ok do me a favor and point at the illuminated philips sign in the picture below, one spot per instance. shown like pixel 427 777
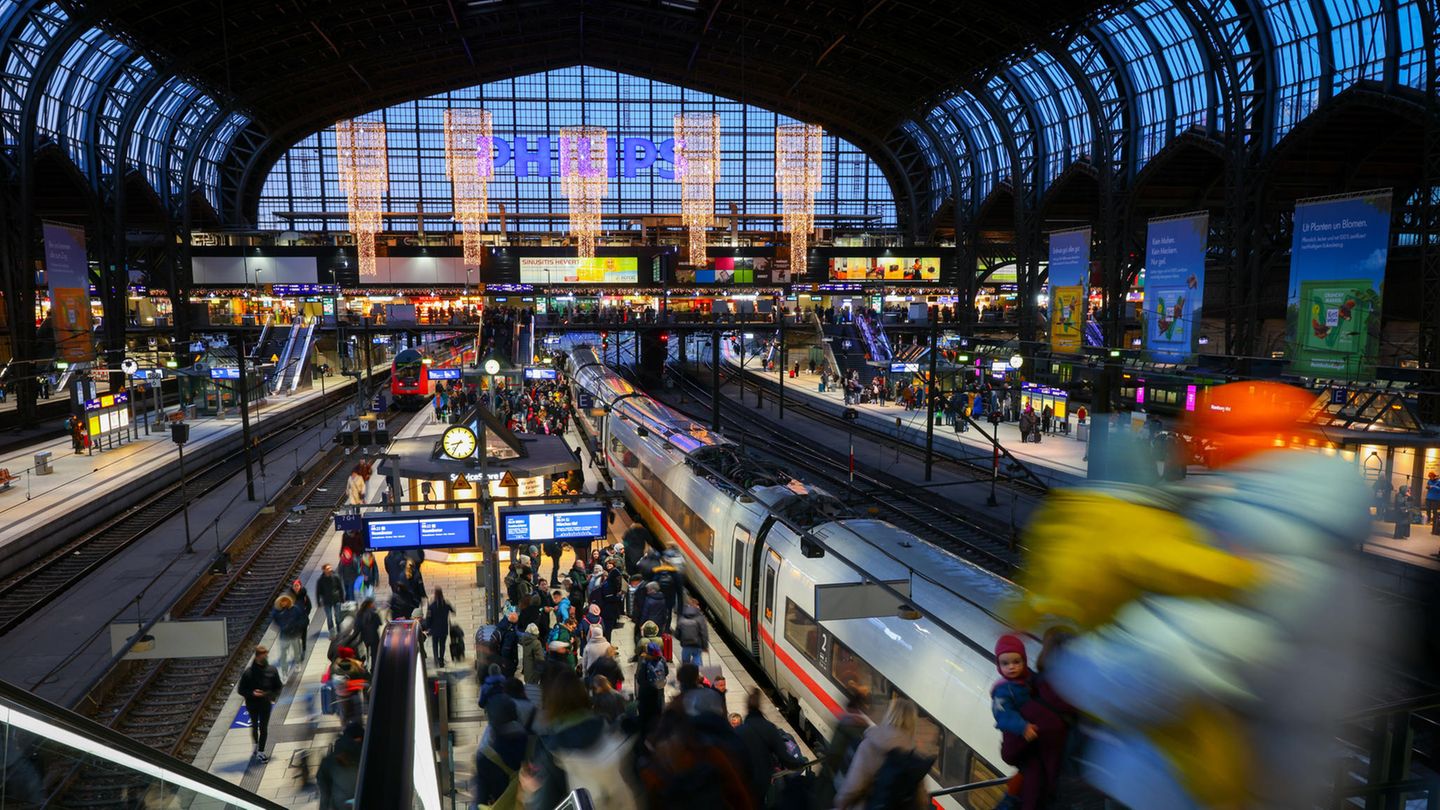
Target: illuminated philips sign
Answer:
pixel 626 157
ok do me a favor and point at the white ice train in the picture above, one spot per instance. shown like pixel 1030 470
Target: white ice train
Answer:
pixel 813 623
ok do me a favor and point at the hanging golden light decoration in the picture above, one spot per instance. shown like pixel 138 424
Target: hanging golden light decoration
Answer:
pixel 585 179
pixel 697 170
pixel 365 176
pixel 470 164
pixel 797 181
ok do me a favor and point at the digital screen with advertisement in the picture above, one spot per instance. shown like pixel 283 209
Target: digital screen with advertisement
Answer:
pixel 1174 286
pixel 419 529
pixel 884 268
pixel 572 270
pixel 722 270
pixel 1337 279
pixel 564 523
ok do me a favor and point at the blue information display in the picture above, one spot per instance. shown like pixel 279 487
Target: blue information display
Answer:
pixel 904 368
pixel 443 373
pixel 563 523
pixel 536 373
pixel 419 530
pixel 225 373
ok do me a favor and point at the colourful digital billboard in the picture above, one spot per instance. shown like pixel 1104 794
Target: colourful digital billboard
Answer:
pixel 573 270
pixel 884 268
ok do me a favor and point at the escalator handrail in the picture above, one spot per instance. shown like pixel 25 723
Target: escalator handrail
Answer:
pixel 46 720
pixel 385 779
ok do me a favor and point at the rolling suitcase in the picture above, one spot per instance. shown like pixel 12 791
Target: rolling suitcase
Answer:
pixel 667 646
pixel 457 643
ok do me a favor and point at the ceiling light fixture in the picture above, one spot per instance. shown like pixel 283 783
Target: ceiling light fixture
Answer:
pixel 585 179
pixel 697 170
pixel 797 181
pixel 470 164
pixel 364 166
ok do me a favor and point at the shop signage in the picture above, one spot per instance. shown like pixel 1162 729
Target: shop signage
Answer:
pixel 424 529
pixel 626 157
pixel 305 289
pixel 582 522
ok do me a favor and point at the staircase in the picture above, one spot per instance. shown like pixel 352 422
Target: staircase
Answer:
pixel 875 342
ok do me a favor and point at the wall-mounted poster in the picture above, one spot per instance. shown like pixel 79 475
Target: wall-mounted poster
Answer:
pixel 67 273
pixel 1174 285
pixel 1337 279
pixel 884 268
pixel 571 270
pixel 1067 318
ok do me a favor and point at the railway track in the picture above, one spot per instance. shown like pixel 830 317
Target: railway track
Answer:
pixel 171 704
pixel 887 496
pixel 27 591
pixel 976 465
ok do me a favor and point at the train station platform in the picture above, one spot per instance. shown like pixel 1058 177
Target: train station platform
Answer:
pixel 82 490
pixel 300 735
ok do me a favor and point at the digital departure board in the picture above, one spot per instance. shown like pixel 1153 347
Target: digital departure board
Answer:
pixel 419 529
pixel 557 523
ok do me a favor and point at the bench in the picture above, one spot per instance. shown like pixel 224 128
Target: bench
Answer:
pixel 6 479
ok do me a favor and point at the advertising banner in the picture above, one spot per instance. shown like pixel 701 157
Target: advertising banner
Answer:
pixel 1070 258
pixel 571 270
pixel 67 272
pixel 1069 281
pixel 1067 319
pixel 1174 285
pixel 884 268
pixel 1337 279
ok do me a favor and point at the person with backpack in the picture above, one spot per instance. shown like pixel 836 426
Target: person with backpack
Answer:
pixel 650 676
pixel 498 760
pixel 766 747
pixel 887 773
pixel 692 633
pixel 437 623
pixel 850 727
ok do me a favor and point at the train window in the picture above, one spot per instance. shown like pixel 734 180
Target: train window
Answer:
pixel 738 558
pixel 927 740
pixel 854 673
pixel 985 798
pixel 802 631
pixel 769 594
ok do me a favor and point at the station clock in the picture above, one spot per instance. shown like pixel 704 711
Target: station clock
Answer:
pixel 459 442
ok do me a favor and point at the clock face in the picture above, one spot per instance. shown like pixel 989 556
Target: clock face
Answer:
pixel 458 442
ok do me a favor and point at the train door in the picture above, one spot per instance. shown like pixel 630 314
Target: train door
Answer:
pixel 767 612
pixel 739 581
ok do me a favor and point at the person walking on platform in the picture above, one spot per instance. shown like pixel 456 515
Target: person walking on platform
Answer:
pixel 367 623
pixel 302 600
pixel 1432 497
pixel 437 623
pixel 290 621
pixel 692 633
pixel 330 590
pixel 259 687
pixel 349 572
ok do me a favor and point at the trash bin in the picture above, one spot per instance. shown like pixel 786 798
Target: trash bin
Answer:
pixel 1082 432
pixel 42 463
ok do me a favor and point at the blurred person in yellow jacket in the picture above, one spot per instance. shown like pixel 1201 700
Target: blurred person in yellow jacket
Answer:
pixel 1217 623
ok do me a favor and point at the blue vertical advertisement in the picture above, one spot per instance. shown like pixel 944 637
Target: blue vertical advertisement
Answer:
pixel 1069 274
pixel 1337 279
pixel 1174 285
pixel 67 274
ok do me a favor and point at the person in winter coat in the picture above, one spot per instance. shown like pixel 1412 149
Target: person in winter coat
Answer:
pixel 509 632
pixel 367 622
pixel 494 684
pixel 498 760
pixel 596 647
pixel 259 687
pixel 338 774
pixel 766 747
pixel 532 654
pixel 607 667
pixel 369 577
pixel 330 590
pixel 290 621
pixel 349 679
pixel 437 624
pixel 636 540
pixel 349 573
pixel 650 676
pixel 850 728
pixel 895 731
pixel 692 634
pixel 612 600
pixel 653 607
pixel 575 751
pixel 607 702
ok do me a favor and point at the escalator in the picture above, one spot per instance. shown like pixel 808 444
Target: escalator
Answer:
pixel 53 757
pixel 849 349
pixel 295 368
pixel 399 768
pixel 875 342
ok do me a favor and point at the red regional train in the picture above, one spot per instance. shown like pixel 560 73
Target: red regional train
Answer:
pixel 410 383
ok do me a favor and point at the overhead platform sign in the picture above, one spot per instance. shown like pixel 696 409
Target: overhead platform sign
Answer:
pixel 200 638
pixel 578 523
pixel 443 373
pixel 420 529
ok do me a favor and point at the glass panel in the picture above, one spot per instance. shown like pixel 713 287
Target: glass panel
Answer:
pixel 988 798
pixel 800 630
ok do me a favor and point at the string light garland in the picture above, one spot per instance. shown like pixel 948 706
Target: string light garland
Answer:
pixel 585 179
pixel 364 166
pixel 797 181
pixel 697 170
pixel 470 165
